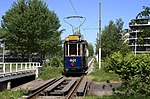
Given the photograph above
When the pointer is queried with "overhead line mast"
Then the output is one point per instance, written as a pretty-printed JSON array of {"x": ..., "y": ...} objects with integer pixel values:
[{"x": 100, "y": 30}]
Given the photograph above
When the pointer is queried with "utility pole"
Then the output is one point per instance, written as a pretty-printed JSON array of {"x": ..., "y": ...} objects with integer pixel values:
[{"x": 100, "y": 35}]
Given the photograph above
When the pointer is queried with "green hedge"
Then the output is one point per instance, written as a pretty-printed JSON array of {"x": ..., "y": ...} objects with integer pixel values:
[
  {"x": 8, "y": 94},
  {"x": 52, "y": 69},
  {"x": 134, "y": 70}
]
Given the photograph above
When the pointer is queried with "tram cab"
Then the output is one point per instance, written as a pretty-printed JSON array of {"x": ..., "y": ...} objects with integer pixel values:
[{"x": 75, "y": 54}]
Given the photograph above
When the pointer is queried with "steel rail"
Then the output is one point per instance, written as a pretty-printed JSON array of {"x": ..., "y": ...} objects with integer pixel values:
[
  {"x": 36, "y": 93},
  {"x": 73, "y": 90}
]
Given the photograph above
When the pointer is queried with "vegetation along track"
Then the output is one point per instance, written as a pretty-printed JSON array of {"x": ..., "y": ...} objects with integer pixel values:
[{"x": 60, "y": 87}]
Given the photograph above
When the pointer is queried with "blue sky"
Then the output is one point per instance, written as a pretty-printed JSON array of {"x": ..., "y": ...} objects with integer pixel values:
[{"x": 111, "y": 10}]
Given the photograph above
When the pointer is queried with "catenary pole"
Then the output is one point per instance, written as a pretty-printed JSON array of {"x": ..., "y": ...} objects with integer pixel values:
[{"x": 100, "y": 14}]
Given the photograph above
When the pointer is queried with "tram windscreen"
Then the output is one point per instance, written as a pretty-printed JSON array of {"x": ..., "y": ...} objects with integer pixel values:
[{"x": 73, "y": 49}]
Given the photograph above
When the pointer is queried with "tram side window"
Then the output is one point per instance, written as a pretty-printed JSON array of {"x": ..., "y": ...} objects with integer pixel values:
[
  {"x": 73, "y": 49},
  {"x": 66, "y": 49},
  {"x": 84, "y": 50},
  {"x": 79, "y": 49}
]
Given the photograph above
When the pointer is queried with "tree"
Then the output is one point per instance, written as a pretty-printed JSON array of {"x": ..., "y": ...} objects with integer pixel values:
[
  {"x": 2, "y": 33},
  {"x": 145, "y": 13},
  {"x": 31, "y": 29},
  {"x": 134, "y": 71},
  {"x": 145, "y": 32},
  {"x": 91, "y": 49},
  {"x": 111, "y": 39}
]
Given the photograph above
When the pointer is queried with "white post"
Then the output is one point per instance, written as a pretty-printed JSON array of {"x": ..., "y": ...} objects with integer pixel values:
[
  {"x": 10, "y": 67},
  {"x": 77, "y": 49},
  {"x": 37, "y": 71},
  {"x": 33, "y": 67},
  {"x": 99, "y": 58},
  {"x": 21, "y": 66},
  {"x": 4, "y": 68},
  {"x": 8, "y": 85},
  {"x": 3, "y": 52},
  {"x": 30, "y": 65},
  {"x": 2, "y": 45},
  {"x": 100, "y": 15},
  {"x": 68, "y": 50},
  {"x": 16, "y": 67},
  {"x": 25, "y": 66}
]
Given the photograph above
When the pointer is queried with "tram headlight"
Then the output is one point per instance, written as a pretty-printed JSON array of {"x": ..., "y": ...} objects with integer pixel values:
[{"x": 72, "y": 64}]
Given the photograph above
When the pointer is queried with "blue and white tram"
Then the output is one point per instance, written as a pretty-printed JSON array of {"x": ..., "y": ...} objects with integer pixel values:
[{"x": 75, "y": 54}]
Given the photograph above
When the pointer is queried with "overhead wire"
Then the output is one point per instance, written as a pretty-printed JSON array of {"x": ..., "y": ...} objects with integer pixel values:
[
  {"x": 74, "y": 9},
  {"x": 76, "y": 14}
]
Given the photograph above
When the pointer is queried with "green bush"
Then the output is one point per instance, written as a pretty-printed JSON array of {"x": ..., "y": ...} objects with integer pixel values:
[
  {"x": 134, "y": 70},
  {"x": 52, "y": 69},
  {"x": 8, "y": 94},
  {"x": 54, "y": 62},
  {"x": 115, "y": 97},
  {"x": 49, "y": 72}
]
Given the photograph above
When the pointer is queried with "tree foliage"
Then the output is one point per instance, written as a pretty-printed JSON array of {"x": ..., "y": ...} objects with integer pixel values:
[
  {"x": 145, "y": 13},
  {"x": 111, "y": 39},
  {"x": 145, "y": 32},
  {"x": 31, "y": 28},
  {"x": 91, "y": 49},
  {"x": 134, "y": 70}
]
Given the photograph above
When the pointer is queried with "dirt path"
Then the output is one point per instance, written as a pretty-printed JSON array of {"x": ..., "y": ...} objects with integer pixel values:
[{"x": 102, "y": 88}]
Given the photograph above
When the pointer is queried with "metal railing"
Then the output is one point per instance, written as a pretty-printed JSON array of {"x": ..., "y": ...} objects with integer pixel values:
[{"x": 19, "y": 67}]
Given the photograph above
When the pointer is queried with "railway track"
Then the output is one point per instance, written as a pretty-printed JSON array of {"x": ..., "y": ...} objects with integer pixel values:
[{"x": 63, "y": 87}]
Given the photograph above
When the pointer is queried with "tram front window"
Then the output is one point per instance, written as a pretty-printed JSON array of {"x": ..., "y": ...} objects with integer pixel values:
[{"x": 73, "y": 49}]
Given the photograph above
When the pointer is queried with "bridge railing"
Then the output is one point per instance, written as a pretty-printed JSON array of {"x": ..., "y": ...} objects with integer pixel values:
[{"x": 19, "y": 67}]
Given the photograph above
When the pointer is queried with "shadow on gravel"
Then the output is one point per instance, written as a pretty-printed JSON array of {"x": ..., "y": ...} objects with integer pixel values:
[{"x": 73, "y": 74}]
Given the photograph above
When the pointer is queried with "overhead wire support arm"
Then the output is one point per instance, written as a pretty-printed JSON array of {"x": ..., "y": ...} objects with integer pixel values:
[{"x": 77, "y": 28}]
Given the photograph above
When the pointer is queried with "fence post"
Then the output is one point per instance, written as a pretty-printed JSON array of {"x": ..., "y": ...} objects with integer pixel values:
[
  {"x": 21, "y": 66},
  {"x": 4, "y": 72},
  {"x": 25, "y": 66},
  {"x": 16, "y": 67},
  {"x": 10, "y": 67},
  {"x": 37, "y": 69},
  {"x": 30, "y": 65}
]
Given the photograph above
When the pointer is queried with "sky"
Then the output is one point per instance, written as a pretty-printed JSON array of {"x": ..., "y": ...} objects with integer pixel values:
[{"x": 111, "y": 10}]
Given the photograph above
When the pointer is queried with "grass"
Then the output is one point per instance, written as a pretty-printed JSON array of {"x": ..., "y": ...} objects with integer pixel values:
[
  {"x": 102, "y": 75},
  {"x": 8, "y": 94},
  {"x": 49, "y": 72},
  {"x": 116, "y": 97}
]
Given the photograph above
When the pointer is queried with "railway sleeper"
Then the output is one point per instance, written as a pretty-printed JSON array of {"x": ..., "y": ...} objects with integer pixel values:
[
  {"x": 32, "y": 90},
  {"x": 66, "y": 82},
  {"x": 51, "y": 88},
  {"x": 61, "y": 87},
  {"x": 56, "y": 93},
  {"x": 64, "y": 90},
  {"x": 82, "y": 88},
  {"x": 68, "y": 87}
]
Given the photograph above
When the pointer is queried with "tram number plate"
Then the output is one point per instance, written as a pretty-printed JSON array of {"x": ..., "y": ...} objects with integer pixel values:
[{"x": 72, "y": 60}]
